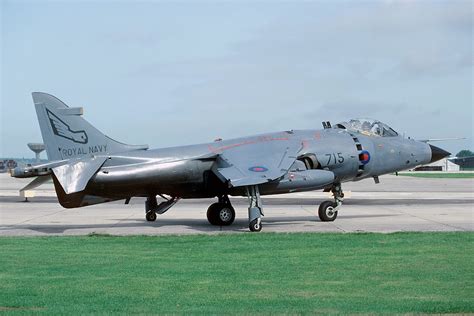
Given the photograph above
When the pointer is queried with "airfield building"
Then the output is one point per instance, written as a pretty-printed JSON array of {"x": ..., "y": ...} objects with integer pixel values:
[
  {"x": 465, "y": 163},
  {"x": 440, "y": 165}
]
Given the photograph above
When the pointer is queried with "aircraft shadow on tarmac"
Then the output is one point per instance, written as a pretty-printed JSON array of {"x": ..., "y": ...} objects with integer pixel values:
[
  {"x": 194, "y": 225},
  {"x": 35, "y": 200}
]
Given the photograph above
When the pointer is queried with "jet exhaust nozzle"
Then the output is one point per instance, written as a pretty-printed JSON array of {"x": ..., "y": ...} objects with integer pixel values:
[{"x": 438, "y": 153}]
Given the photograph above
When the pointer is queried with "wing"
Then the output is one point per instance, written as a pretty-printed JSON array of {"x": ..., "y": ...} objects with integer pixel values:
[{"x": 256, "y": 162}]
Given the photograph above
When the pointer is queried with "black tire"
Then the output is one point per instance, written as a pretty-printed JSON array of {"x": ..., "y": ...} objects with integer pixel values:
[
  {"x": 150, "y": 216},
  {"x": 326, "y": 213},
  {"x": 221, "y": 214},
  {"x": 255, "y": 226},
  {"x": 212, "y": 213}
]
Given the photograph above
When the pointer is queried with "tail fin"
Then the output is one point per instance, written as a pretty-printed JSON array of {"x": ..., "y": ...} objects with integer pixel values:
[{"x": 67, "y": 135}]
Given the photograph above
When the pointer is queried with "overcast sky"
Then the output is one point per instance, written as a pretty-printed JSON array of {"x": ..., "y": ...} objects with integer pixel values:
[{"x": 166, "y": 73}]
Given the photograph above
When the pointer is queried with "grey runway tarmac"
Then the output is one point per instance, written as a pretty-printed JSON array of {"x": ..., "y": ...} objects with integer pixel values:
[{"x": 396, "y": 204}]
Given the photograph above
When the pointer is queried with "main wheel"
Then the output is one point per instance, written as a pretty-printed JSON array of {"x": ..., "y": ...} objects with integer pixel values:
[
  {"x": 221, "y": 214},
  {"x": 326, "y": 211},
  {"x": 150, "y": 216},
  {"x": 255, "y": 225}
]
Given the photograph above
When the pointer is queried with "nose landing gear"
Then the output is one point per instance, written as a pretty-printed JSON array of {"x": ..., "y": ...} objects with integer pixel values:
[{"x": 328, "y": 209}]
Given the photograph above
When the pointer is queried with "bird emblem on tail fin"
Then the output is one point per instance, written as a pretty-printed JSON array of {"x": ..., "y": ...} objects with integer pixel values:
[{"x": 61, "y": 129}]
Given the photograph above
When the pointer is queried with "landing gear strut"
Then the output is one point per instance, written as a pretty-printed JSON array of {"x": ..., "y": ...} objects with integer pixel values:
[
  {"x": 328, "y": 209},
  {"x": 221, "y": 213},
  {"x": 152, "y": 207},
  {"x": 255, "y": 209}
]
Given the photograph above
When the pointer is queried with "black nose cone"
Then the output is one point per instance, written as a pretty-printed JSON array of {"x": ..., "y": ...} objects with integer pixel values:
[{"x": 438, "y": 153}]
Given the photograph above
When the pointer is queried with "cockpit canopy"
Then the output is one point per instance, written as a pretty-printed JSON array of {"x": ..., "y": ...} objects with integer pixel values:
[{"x": 368, "y": 127}]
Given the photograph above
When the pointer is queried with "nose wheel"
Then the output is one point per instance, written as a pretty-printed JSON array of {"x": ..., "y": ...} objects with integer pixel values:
[{"x": 328, "y": 209}]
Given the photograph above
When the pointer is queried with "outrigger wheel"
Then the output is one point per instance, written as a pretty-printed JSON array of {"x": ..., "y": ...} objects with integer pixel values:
[
  {"x": 255, "y": 225},
  {"x": 255, "y": 209},
  {"x": 150, "y": 216}
]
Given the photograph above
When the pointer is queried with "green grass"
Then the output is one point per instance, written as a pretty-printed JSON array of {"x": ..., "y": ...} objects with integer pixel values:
[
  {"x": 459, "y": 175},
  {"x": 239, "y": 273}
]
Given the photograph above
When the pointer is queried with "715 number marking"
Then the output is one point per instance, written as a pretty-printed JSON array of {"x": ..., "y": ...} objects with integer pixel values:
[{"x": 336, "y": 159}]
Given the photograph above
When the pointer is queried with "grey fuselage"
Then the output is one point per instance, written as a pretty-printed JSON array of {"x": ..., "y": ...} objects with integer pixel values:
[{"x": 187, "y": 171}]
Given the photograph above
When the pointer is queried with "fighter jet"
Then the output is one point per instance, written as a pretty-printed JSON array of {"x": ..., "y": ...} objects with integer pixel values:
[{"x": 88, "y": 167}]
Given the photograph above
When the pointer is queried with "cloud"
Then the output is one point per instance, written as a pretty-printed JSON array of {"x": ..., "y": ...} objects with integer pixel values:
[
  {"x": 304, "y": 66},
  {"x": 397, "y": 38},
  {"x": 432, "y": 65},
  {"x": 191, "y": 73}
]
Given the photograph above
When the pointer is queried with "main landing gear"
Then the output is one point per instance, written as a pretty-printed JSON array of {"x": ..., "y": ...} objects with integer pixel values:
[
  {"x": 328, "y": 209},
  {"x": 221, "y": 213},
  {"x": 152, "y": 207}
]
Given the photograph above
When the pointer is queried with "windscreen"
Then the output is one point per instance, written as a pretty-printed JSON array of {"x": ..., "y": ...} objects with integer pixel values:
[{"x": 369, "y": 127}]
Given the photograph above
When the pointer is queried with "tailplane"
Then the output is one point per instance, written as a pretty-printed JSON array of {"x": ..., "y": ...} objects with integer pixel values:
[{"x": 67, "y": 135}]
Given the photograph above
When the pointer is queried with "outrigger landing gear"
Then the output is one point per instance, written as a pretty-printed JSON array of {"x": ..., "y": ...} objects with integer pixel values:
[
  {"x": 152, "y": 207},
  {"x": 328, "y": 209},
  {"x": 221, "y": 213},
  {"x": 255, "y": 209}
]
